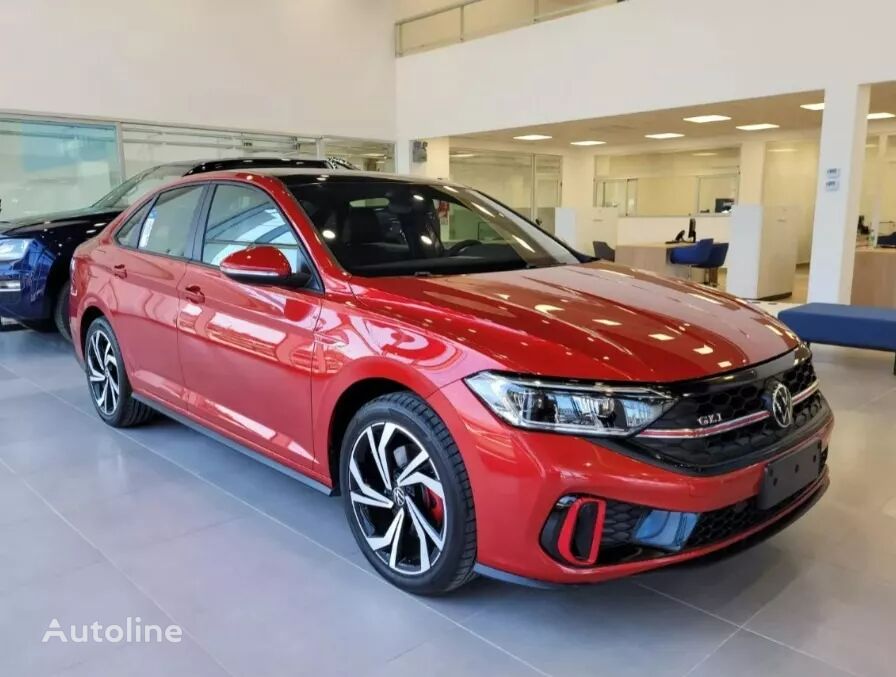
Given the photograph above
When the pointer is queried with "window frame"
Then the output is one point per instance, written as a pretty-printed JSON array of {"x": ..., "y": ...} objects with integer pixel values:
[
  {"x": 194, "y": 249},
  {"x": 151, "y": 202}
]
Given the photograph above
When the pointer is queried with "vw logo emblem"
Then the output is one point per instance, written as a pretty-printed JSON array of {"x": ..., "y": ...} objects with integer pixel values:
[{"x": 781, "y": 405}]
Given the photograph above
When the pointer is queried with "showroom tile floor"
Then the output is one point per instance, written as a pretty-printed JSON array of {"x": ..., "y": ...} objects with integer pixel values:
[{"x": 263, "y": 576}]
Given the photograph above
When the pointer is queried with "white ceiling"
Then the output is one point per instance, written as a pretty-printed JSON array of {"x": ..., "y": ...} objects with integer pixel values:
[{"x": 627, "y": 130}]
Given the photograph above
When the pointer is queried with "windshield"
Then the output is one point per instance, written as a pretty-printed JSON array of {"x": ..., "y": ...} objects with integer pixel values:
[
  {"x": 378, "y": 228},
  {"x": 139, "y": 185}
]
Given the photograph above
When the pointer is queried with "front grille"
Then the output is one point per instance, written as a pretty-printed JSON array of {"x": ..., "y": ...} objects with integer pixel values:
[
  {"x": 734, "y": 402},
  {"x": 723, "y": 451}
]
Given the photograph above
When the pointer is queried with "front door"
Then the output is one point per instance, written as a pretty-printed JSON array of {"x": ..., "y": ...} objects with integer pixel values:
[
  {"x": 246, "y": 350},
  {"x": 147, "y": 266}
]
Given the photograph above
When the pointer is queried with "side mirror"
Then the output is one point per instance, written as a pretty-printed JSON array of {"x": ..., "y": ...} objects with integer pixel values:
[{"x": 262, "y": 264}]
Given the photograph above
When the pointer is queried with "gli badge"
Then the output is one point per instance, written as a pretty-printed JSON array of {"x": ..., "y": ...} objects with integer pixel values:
[{"x": 709, "y": 419}]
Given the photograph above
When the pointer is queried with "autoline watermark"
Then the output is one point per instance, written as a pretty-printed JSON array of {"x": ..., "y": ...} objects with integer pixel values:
[{"x": 133, "y": 631}]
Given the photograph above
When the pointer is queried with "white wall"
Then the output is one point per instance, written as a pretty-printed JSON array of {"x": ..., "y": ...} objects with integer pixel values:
[
  {"x": 643, "y": 55},
  {"x": 310, "y": 66}
]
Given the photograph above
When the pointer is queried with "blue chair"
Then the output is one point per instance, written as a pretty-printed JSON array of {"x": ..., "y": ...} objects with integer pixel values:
[
  {"x": 886, "y": 240},
  {"x": 711, "y": 266},
  {"x": 692, "y": 255}
]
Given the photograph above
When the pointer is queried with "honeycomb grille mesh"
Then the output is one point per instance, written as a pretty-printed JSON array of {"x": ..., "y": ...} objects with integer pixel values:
[{"x": 732, "y": 403}]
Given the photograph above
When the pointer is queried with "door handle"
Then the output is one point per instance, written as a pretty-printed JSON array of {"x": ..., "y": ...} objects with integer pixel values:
[
  {"x": 119, "y": 270},
  {"x": 194, "y": 293}
]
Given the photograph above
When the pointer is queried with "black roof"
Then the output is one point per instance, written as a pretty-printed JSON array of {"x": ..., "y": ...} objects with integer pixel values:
[
  {"x": 307, "y": 175},
  {"x": 225, "y": 164}
]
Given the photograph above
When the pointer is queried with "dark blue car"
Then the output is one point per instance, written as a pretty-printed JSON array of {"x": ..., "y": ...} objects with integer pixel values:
[{"x": 35, "y": 252}]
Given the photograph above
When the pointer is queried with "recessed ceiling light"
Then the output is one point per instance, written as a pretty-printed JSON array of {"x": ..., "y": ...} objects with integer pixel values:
[
  {"x": 782, "y": 150},
  {"x": 703, "y": 119},
  {"x": 705, "y": 153},
  {"x": 759, "y": 127},
  {"x": 373, "y": 155},
  {"x": 813, "y": 106},
  {"x": 587, "y": 143},
  {"x": 881, "y": 116},
  {"x": 664, "y": 135},
  {"x": 532, "y": 137},
  {"x": 463, "y": 155},
  {"x": 870, "y": 145}
]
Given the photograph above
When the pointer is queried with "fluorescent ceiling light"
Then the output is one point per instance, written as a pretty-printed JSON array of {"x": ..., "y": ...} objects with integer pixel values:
[
  {"x": 813, "y": 106},
  {"x": 532, "y": 137},
  {"x": 759, "y": 127},
  {"x": 703, "y": 119},
  {"x": 880, "y": 116},
  {"x": 665, "y": 135},
  {"x": 782, "y": 150},
  {"x": 706, "y": 153},
  {"x": 587, "y": 143},
  {"x": 373, "y": 155},
  {"x": 463, "y": 154}
]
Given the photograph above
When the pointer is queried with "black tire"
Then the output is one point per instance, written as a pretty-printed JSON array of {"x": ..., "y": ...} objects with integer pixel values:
[
  {"x": 453, "y": 565},
  {"x": 60, "y": 311},
  {"x": 126, "y": 411}
]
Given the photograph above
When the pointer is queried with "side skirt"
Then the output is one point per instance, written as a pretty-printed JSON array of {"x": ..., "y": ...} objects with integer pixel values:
[{"x": 236, "y": 446}]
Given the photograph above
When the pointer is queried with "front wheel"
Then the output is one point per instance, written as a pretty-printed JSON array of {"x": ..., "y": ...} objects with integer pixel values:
[
  {"x": 110, "y": 389},
  {"x": 407, "y": 495}
]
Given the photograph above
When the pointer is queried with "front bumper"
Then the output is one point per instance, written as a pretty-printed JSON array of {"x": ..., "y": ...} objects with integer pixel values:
[
  {"x": 23, "y": 286},
  {"x": 518, "y": 476}
]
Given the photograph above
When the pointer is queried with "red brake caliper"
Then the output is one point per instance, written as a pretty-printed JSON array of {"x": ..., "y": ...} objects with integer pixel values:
[{"x": 434, "y": 504}]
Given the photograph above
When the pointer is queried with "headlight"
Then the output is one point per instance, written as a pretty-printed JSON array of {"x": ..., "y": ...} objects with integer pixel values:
[
  {"x": 577, "y": 408},
  {"x": 13, "y": 249}
]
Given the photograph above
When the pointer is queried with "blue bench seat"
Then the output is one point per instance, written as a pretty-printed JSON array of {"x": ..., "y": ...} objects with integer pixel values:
[{"x": 841, "y": 325}]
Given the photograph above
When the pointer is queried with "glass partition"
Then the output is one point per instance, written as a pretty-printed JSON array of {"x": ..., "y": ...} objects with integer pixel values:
[
  {"x": 504, "y": 176},
  {"x": 371, "y": 156},
  {"x": 146, "y": 146},
  {"x": 53, "y": 166},
  {"x": 668, "y": 184},
  {"x": 529, "y": 184},
  {"x": 470, "y": 19}
]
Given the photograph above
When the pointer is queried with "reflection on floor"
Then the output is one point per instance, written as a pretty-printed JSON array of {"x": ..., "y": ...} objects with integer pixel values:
[{"x": 264, "y": 578}]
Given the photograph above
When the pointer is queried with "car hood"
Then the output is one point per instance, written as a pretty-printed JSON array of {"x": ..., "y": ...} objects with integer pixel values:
[
  {"x": 32, "y": 226},
  {"x": 593, "y": 321}
]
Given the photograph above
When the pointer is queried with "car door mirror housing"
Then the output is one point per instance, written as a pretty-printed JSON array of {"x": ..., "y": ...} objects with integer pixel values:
[{"x": 262, "y": 264}]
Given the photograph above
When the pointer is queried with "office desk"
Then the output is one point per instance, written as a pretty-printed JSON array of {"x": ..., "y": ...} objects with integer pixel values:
[
  {"x": 874, "y": 277},
  {"x": 652, "y": 256}
]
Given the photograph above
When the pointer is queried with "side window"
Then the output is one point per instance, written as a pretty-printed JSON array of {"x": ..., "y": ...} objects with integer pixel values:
[
  {"x": 167, "y": 226},
  {"x": 129, "y": 233},
  {"x": 242, "y": 216}
]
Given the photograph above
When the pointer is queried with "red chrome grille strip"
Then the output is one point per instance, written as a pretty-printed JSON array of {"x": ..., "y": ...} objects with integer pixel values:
[{"x": 693, "y": 433}]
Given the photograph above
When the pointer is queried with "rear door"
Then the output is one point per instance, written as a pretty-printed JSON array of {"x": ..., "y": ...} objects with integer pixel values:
[
  {"x": 147, "y": 266},
  {"x": 246, "y": 349}
]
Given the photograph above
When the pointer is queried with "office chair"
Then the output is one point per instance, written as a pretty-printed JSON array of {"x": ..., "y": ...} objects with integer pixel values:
[
  {"x": 886, "y": 240},
  {"x": 604, "y": 251},
  {"x": 716, "y": 260},
  {"x": 692, "y": 255}
]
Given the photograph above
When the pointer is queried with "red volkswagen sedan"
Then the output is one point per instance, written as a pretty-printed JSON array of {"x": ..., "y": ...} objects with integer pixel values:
[{"x": 484, "y": 399}]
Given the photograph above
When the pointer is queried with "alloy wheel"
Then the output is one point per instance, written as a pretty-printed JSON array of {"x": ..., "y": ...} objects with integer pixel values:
[
  {"x": 102, "y": 372},
  {"x": 397, "y": 498}
]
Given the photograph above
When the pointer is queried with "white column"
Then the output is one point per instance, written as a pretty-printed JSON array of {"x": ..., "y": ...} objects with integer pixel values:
[
  {"x": 841, "y": 160},
  {"x": 880, "y": 170},
  {"x": 752, "y": 172},
  {"x": 403, "y": 156}
]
